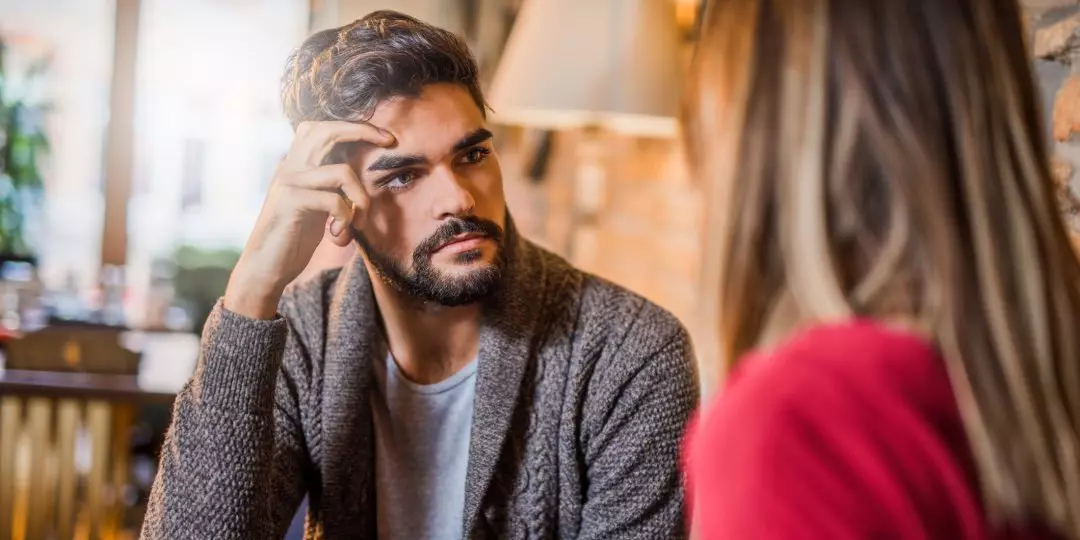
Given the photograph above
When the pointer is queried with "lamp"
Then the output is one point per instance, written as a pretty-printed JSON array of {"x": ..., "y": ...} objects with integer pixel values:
[
  {"x": 595, "y": 64},
  {"x": 611, "y": 64}
]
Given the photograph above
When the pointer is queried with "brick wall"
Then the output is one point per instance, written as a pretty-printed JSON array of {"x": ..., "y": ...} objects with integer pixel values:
[
  {"x": 1054, "y": 33},
  {"x": 646, "y": 231}
]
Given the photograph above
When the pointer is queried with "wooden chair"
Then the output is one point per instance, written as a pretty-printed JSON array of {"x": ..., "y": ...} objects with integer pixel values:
[{"x": 64, "y": 452}]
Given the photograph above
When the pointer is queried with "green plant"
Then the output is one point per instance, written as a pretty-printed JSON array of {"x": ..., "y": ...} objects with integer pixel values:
[
  {"x": 201, "y": 276},
  {"x": 22, "y": 143}
]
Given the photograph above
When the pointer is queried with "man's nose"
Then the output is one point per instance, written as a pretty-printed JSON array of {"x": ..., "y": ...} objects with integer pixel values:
[{"x": 454, "y": 197}]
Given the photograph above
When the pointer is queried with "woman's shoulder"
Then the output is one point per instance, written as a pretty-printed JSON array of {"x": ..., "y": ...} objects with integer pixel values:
[
  {"x": 847, "y": 422},
  {"x": 857, "y": 360}
]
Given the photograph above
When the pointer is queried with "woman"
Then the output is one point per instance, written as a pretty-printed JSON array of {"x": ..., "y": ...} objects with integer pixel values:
[{"x": 894, "y": 280}]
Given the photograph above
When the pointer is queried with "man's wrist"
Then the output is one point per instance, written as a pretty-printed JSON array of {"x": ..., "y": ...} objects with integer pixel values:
[{"x": 252, "y": 302}]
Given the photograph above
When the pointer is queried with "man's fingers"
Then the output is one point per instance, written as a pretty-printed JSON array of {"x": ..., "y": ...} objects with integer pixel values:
[
  {"x": 305, "y": 184},
  {"x": 322, "y": 201},
  {"x": 314, "y": 140},
  {"x": 338, "y": 236},
  {"x": 333, "y": 178}
]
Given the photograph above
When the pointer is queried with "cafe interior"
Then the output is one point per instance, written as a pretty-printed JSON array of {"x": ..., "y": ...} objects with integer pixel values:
[{"x": 137, "y": 141}]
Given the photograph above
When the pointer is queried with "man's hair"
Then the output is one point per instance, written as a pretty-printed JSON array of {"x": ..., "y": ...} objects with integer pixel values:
[{"x": 343, "y": 73}]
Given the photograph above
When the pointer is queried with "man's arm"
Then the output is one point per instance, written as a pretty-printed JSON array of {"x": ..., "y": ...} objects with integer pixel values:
[
  {"x": 233, "y": 461},
  {"x": 635, "y": 486}
]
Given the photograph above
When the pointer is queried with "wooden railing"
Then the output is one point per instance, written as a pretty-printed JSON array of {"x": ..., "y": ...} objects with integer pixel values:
[{"x": 64, "y": 453}]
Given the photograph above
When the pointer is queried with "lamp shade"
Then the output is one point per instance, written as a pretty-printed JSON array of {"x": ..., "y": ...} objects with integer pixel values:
[{"x": 613, "y": 64}]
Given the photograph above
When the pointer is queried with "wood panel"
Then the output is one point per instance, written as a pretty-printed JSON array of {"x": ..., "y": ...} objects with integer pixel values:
[
  {"x": 10, "y": 428},
  {"x": 38, "y": 484},
  {"x": 67, "y": 425},
  {"x": 99, "y": 422},
  {"x": 39, "y": 467},
  {"x": 123, "y": 416}
]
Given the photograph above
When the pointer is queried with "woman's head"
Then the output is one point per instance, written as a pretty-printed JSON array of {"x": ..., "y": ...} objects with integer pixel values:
[{"x": 886, "y": 159}]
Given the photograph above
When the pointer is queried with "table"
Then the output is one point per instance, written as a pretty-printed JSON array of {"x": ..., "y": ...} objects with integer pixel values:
[{"x": 64, "y": 441}]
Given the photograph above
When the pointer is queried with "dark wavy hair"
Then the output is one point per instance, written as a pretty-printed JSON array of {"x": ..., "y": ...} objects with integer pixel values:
[{"x": 343, "y": 73}]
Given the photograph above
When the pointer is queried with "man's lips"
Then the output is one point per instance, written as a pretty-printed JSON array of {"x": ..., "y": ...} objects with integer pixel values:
[{"x": 463, "y": 241}]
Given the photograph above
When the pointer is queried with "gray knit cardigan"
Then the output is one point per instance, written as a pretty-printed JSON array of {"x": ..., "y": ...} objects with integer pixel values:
[{"x": 583, "y": 392}]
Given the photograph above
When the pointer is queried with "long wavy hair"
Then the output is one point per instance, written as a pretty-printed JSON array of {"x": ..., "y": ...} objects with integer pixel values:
[{"x": 886, "y": 159}]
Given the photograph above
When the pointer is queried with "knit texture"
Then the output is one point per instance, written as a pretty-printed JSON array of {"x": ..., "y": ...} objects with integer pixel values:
[{"x": 583, "y": 393}]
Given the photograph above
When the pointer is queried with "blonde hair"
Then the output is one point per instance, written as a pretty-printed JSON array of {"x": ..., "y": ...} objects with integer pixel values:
[{"x": 886, "y": 159}]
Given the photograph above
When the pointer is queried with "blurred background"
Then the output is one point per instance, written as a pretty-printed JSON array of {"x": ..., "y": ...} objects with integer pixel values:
[{"x": 137, "y": 139}]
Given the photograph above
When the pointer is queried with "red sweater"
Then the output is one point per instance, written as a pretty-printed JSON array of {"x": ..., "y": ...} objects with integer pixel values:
[{"x": 847, "y": 431}]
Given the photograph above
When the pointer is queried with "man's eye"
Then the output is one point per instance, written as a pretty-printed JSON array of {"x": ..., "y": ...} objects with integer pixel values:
[
  {"x": 400, "y": 181},
  {"x": 476, "y": 155}
]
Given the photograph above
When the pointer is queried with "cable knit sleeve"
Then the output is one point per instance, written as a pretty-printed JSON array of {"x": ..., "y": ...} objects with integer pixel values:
[
  {"x": 233, "y": 460},
  {"x": 635, "y": 488}
]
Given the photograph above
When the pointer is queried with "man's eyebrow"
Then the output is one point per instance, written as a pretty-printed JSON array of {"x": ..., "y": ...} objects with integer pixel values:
[
  {"x": 476, "y": 137},
  {"x": 389, "y": 162}
]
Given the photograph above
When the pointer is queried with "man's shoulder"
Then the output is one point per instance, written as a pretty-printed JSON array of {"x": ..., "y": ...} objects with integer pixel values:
[
  {"x": 629, "y": 320},
  {"x": 304, "y": 304},
  {"x": 606, "y": 310},
  {"x": 313, "y": 290},
  {"x": 605, "y": 306},
  {"x": 631, "y": 347},
  {"x": 621, "y": 340},
  {"x": 312, "y": 294}
]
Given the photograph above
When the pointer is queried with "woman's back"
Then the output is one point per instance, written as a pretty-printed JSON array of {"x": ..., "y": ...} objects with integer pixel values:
[
  {"x": 844, "y": 431},
  {"x": 883, "y": 160}
]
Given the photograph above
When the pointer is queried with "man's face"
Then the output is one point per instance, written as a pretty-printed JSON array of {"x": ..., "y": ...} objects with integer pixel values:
[{"x": 434, "y": 229}]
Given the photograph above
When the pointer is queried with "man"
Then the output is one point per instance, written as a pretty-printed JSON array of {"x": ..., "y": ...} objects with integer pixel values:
[{"x": 454, "y": 380}]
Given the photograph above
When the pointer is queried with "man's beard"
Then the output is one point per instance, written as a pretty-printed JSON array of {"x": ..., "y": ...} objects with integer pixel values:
[{"x": 425, "y": 282}]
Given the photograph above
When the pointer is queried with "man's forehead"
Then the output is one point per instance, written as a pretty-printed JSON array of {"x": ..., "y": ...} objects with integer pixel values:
[{"x": 442, "y": 113}]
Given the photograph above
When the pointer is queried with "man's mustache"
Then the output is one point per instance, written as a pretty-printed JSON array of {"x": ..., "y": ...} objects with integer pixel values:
[{"x": 457, "y": 226}]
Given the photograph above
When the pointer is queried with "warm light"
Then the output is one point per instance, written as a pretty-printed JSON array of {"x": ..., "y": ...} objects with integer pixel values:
[
  {"x": 686, "y": 13},
  {"x": 613, "y": 64},
  {"x": 551, "y": 118}
]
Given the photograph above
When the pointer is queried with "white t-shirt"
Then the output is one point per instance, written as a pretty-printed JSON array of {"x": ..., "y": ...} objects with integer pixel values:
[{"x": 421, "y": 452}]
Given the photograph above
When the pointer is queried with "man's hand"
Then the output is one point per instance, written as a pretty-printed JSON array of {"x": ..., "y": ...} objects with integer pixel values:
[{"x": 301, "y": 196}]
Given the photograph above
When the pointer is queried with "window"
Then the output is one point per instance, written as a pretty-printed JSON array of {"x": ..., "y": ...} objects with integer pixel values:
[
  {"x": 191, "y": 179},
  {"x": 76, "y": 36},
  {"x": 208, "y": 121}
]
